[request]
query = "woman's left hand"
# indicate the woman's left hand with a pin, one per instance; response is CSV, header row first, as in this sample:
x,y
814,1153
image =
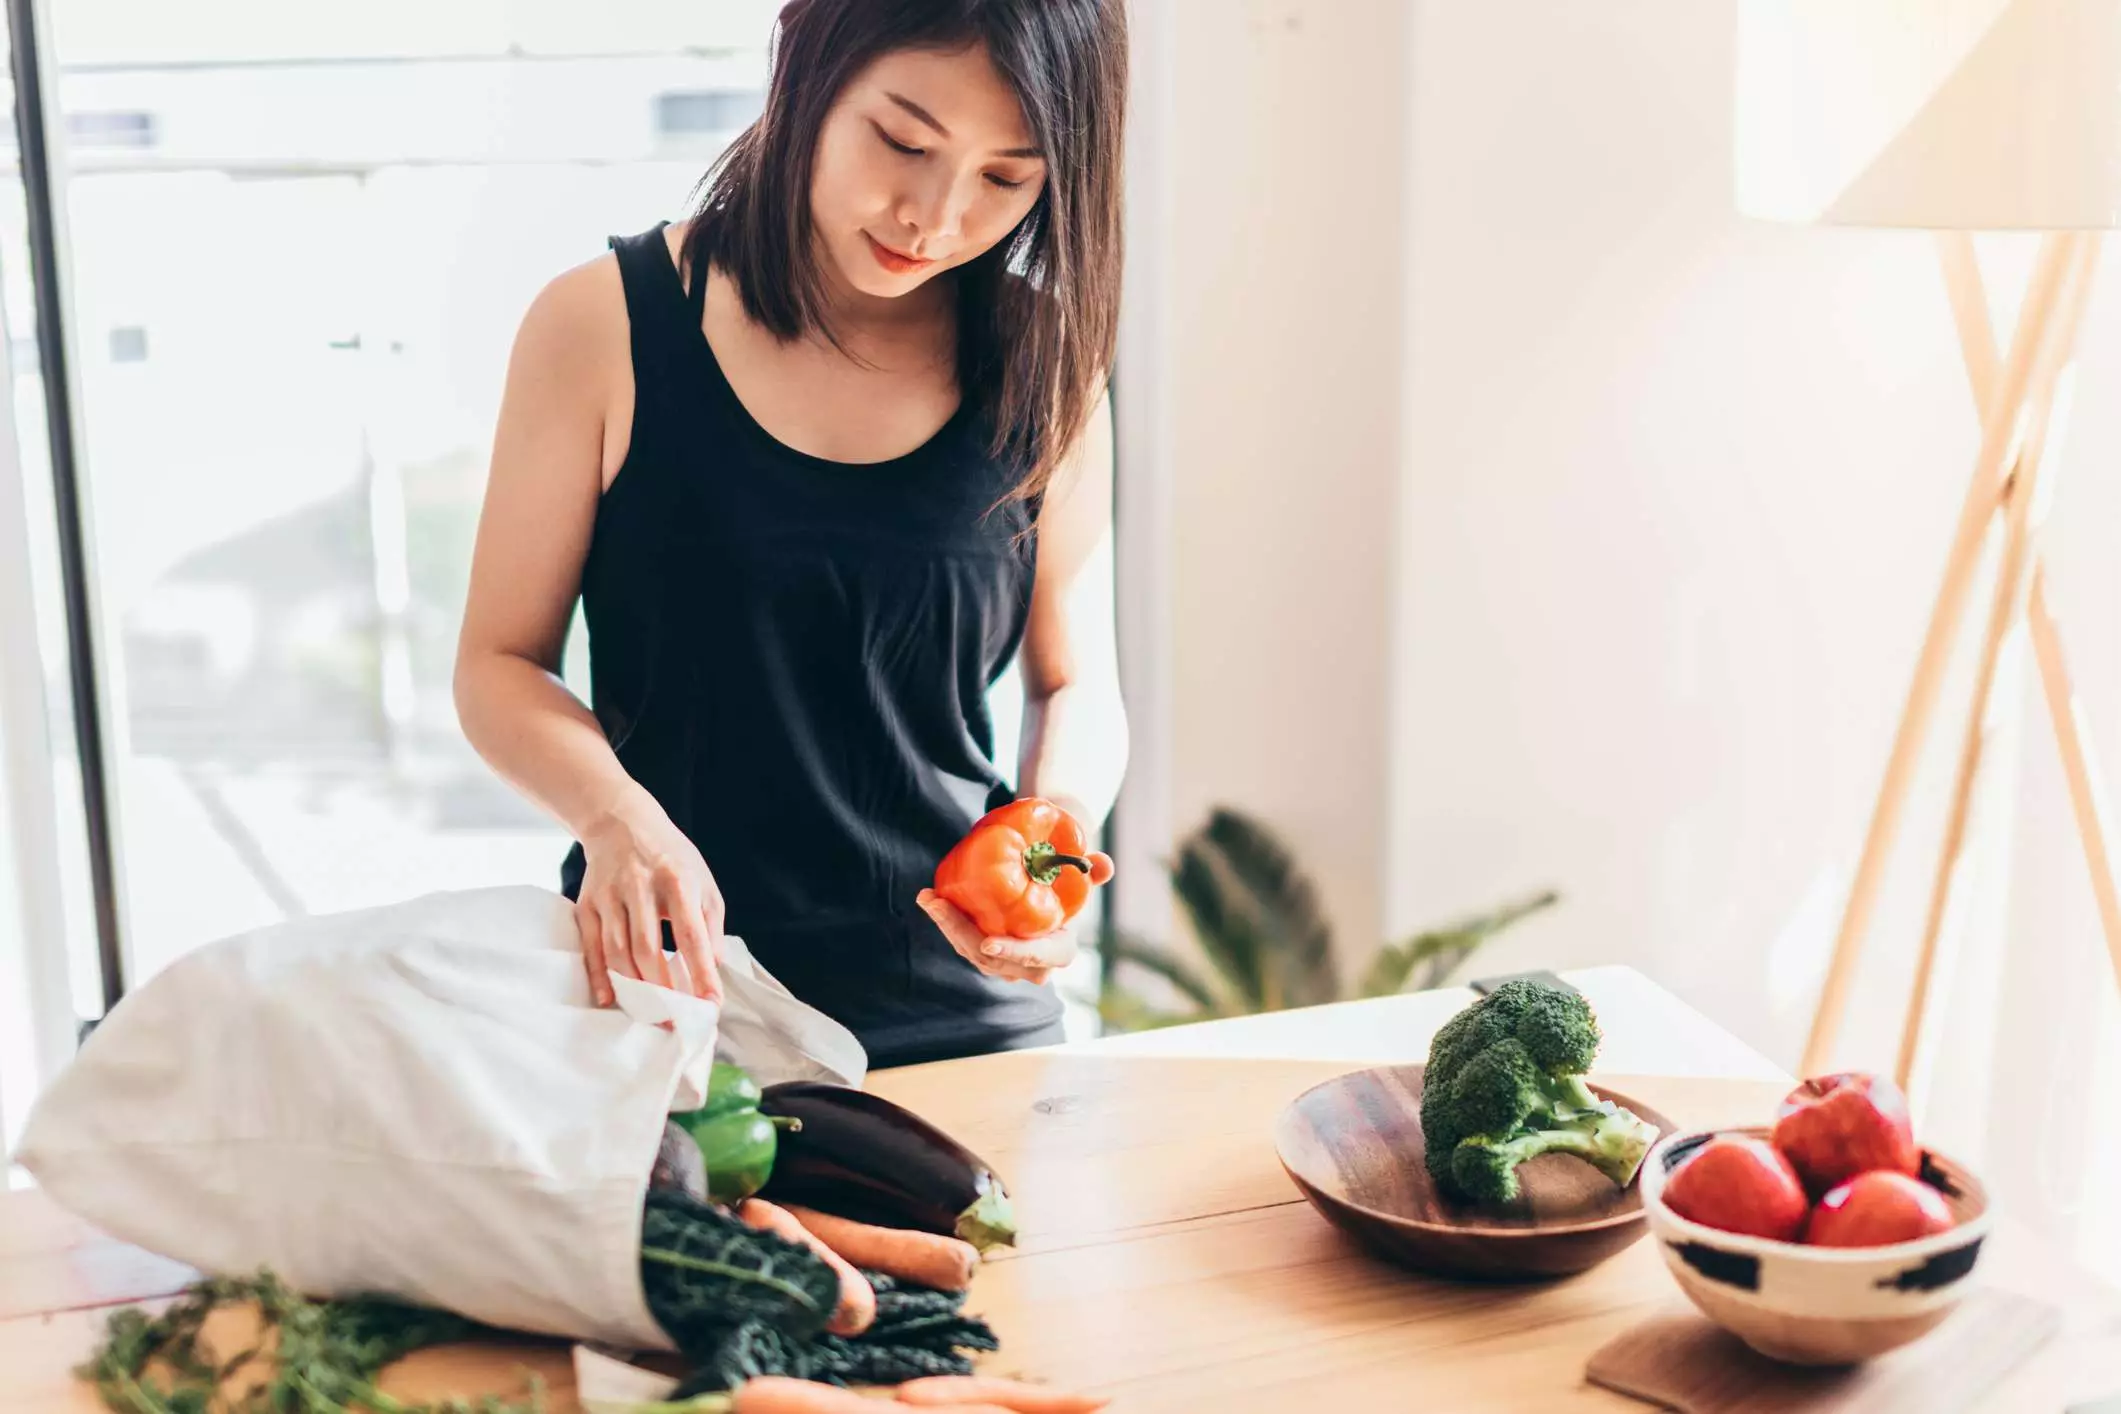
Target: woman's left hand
x,y
1012,959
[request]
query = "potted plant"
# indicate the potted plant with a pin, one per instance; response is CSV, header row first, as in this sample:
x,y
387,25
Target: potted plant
x,y
1264,938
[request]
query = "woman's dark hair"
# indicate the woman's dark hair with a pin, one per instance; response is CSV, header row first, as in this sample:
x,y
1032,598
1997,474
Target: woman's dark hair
x,y
1037,314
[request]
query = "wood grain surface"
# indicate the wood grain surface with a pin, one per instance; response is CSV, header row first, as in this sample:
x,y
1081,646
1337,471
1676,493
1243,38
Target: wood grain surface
x,y
1681,1361
1168,1261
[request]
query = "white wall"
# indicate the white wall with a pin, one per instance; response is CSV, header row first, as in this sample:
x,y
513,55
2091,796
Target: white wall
x,y
1678,492
1517,499
1259,431
1445,338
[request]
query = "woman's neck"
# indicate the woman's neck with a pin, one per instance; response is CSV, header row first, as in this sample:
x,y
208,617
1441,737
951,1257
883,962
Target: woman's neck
x,y
921,323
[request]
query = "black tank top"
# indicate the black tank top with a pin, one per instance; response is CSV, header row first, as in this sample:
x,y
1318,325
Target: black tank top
x,y
793,656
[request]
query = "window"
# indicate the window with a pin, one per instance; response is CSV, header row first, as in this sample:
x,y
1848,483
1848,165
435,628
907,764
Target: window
x,y
721,115
110,129
300,244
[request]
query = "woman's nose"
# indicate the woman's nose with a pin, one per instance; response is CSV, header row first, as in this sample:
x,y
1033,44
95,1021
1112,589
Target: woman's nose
x,y
936,209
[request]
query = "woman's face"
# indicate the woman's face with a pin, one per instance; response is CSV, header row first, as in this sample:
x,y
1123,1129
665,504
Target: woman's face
x,y
923,163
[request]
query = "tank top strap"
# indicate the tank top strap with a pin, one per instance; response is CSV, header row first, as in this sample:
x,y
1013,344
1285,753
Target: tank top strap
x,y
695,297
664,317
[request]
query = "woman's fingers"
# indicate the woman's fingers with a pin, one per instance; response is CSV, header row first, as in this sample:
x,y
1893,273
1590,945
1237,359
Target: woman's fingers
x,y
1015,960
698,946
957,930
591,929
644,930
618,947
1012,971
1051,951
715,912
714,915
963,933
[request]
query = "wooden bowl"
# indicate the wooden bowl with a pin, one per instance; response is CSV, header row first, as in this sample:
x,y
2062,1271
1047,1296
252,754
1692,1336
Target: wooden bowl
x,y
1353,1146
1819,1305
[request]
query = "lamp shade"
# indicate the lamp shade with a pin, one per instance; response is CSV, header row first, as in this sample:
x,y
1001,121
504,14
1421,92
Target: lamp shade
x,y
1944,114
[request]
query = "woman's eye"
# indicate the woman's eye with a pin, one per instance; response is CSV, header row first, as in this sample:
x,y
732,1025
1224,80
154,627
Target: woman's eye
x,y
896,146
1003,182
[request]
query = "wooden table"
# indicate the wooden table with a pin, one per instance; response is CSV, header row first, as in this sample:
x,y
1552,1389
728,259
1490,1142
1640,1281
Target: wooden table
x,y
1166,1257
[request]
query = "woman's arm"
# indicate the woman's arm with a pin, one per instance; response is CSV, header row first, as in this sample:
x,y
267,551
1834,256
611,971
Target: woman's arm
x,y
541,502
1074,750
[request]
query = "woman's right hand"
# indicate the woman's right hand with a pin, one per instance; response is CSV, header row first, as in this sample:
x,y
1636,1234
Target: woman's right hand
x,y
641,871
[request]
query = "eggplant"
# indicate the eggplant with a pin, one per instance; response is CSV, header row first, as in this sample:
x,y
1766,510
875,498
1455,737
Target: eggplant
x,y
859,1156
679,1164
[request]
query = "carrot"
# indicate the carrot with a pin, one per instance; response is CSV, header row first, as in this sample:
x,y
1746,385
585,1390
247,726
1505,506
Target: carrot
x,y
776,1394
961,1391
944,1263
857,1308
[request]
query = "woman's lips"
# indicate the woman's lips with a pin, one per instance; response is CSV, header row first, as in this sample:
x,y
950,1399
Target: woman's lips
x,y
892,260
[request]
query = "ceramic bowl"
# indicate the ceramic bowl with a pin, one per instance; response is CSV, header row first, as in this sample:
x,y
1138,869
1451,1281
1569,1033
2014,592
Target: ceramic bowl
x,y
1818,1305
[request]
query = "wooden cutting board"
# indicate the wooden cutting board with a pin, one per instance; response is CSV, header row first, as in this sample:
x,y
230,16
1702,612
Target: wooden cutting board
x,y
1678,1360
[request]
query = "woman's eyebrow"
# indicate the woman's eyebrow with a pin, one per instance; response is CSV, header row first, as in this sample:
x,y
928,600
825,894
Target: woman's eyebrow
x,y
929,118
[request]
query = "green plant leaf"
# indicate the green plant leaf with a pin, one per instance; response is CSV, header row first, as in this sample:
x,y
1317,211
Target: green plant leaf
x,y
1434,953
1120,1011
319,1355
916,1332
706,1275
1124,950
1258,920
1430,958
1221,921
1283,903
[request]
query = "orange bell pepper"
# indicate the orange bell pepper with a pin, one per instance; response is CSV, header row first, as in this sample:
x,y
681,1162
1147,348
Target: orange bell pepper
x,y
1023,871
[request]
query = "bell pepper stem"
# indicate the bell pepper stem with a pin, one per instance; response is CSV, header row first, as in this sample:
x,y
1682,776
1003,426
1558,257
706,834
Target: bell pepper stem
x,y
788,1124
1043,862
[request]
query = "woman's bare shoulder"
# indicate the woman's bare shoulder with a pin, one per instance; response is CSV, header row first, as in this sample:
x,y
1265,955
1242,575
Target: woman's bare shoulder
x,y
585,304
574,351
583,308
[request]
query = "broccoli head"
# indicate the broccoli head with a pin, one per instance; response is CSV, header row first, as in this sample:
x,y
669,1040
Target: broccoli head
x,y
1504,1083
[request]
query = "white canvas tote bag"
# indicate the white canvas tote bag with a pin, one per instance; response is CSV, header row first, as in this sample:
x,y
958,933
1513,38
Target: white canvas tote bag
x,y
419,1101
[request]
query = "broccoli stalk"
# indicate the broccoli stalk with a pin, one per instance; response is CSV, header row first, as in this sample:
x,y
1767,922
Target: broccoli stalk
x,y
1611,1140
1504,1084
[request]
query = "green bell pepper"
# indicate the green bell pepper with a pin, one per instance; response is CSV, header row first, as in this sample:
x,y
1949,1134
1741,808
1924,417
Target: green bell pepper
x,y
737,1143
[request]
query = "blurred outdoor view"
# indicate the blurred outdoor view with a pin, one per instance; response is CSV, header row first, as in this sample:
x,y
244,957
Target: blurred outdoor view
x,y
300,239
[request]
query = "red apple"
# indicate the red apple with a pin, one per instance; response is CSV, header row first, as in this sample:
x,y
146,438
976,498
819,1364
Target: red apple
x,y
1877,1208
1739,1184
1834,1127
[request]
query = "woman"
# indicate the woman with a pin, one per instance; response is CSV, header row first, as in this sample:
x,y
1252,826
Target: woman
x,y
819,462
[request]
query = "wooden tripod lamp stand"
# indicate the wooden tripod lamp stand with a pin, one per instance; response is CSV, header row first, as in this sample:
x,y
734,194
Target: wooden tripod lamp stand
x,y
1956,116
